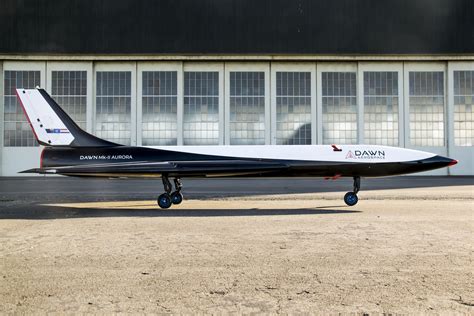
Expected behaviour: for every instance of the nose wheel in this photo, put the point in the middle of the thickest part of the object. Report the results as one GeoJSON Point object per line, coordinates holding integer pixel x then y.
{"type": "Point", "coordinates": [167, 199]}
{"type": "Point", "coordinates": [350, 198]}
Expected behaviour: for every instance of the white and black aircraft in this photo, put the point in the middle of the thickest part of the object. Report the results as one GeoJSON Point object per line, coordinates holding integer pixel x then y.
{"type": "Point", "coordinates": [70, 151]}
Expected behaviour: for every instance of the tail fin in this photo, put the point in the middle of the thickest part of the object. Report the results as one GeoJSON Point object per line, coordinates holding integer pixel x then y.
{"type": "Point", "coordinates": [51, 125]}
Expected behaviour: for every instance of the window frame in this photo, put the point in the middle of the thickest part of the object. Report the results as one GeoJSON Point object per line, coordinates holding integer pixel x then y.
{"type": "Point", "coordinates": [292, 67]}
{"type": "Point", "coordinates": [118, 67]}
{"type": "Point", "coordinates": [74, 66]}
{"type": "Point", "coordinates": [333, 67]}
{"type": "Point", "coordinates": [152, 67]}
{"type": "Point", "coordinates": [382, 67]}
{"type": "Point", "coordinates": [462, 153]}
{"type": "Point", "coordinates": [248, 67]}
{"type": "Point", "coordinates": [424, 67]}
{"type": "Point", "coordinates": [207, 67]}
{"type": "Point", "coordinates": [452, 67]}
{"type": "Point", "coordinates": [21, 66]}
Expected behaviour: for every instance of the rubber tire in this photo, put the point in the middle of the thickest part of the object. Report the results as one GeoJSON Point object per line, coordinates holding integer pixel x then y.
{"type": "Point", "coordinates": [350, 198]}
{"type": "Point", "coordinates": [164, 200]}
{"type": "Point", "coordinates": [176, 197]}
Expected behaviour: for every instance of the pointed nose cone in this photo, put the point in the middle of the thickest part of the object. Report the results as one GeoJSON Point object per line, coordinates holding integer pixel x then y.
{"type": "Point", "coordinates": [453, 162]}
{"type": "Point", "coordinates": [445, 161]}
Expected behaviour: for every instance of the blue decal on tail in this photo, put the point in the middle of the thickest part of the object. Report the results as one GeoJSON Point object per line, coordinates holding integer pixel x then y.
{"type": "Point", "coordinates": [57, 131]}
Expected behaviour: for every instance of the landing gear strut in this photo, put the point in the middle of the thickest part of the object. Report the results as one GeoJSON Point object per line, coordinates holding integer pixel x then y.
{"type": "Point", "coordinates": [351, 198]}
{"type": "Point", "coordinates": [166, 199]}
{"type": "Point", "coordinates": [177, 196]}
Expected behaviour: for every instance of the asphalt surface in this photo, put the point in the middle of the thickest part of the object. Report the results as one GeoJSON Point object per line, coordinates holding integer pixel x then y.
{"type": "Point", "coordinates": [63, 189]}
{"type": "Point", "coordinates": [27, 198]}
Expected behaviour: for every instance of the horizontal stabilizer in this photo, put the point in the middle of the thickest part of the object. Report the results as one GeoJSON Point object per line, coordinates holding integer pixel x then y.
{"type": "Point", "coordinates": [34, 170]}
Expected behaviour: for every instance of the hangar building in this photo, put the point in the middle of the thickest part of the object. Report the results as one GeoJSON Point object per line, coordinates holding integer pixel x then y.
{"type": "Point", "coordinates": [227, 72]}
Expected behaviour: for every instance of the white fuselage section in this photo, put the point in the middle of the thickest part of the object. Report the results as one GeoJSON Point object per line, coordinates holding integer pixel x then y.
{"type": "Point", "coordinates": [348, 153]}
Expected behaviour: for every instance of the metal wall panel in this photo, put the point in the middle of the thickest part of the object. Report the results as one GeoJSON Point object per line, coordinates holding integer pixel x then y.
{"type": "Point", "coordinates": [237, 26]}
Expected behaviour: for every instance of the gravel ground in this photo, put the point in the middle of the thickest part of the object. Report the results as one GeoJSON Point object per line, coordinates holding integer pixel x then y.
{"type": "Point", "coordinates": [397, 251]}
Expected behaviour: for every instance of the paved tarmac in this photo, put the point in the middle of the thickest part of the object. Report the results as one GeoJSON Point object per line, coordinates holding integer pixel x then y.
{"type": "Point", "coordinates": [273, 246]}
{"type": "Point", "coordinates": [81, 189]}
{"type": "Point", "coordinates": [17, 194]}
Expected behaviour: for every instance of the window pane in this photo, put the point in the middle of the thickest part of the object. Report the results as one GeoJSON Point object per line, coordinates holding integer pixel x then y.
{"type": "Point", "coordinates": [463, 108]}
{"type": "Point", "coordinates": [113, 106]}
{"type": "Point", "coordinates": [69, 89]}
{"type": "Point", "coordinates": [293, 108]}
{"type": "Point", "coordinates": [339, 98]}
{"type": "Point", "coordinates": [159, 108]}
{"type": "Point", "coordinates": [426, 100]}
{"type": "Point", "coordinates": [17, 130]}
{"type": "Point", "coordinates": [201, 108]}
{"type": "Point", "coordinates": [381, 108]}
{"type": "Point", "coordinates": [247, 108]}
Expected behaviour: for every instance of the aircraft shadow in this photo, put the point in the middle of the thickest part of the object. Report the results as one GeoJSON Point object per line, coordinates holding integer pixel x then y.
{"type": "Point", "coordinates": [71, 189]}
{"type": "Point", "coordinates": [42, 212]}
{"type": "Point", "coordinates": [21, 198]}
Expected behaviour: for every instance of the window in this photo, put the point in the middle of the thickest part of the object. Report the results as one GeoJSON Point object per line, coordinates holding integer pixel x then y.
{"type": "Point", "coordinates": [426, 100]}
{"type": "Point", "coordinates": [463, 108]}
{"type": "Point", "coordinates": [113, 106]}
{"type": "Point", "coordinates": [69, 89]}
{"type": "Point", "coordinates": [247, 108]}
{"type": "Point", "coordinates": [339, 97]}
{"type": "Point", "coordinates": [159, 108]}
{"type": "Point", "coordinates": [201, 108]}
{"type": "Point", "coordinates": [293, 107]}
{"type": "Point", "coordinates": [381, 108]}
{"type": "Point", "coordinates": [17, 130]}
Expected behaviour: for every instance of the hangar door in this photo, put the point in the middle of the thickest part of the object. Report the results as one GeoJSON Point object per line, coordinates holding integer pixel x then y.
{"type": "Point", "coordinates": [461, 116]}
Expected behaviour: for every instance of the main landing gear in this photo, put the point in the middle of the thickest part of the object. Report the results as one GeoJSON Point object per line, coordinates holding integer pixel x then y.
{"type": "Point", "coordinates": [351, 198]}
{"type": "Point", "coordinates": [167, 199]}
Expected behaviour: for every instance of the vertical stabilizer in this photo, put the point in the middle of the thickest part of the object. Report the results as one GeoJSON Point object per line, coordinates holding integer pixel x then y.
{"type": "Point", "coordinates": [51, 125]}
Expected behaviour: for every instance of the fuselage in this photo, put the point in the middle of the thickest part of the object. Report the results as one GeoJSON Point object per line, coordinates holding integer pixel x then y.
{"type": "Point", "coordinates": [226, 161]}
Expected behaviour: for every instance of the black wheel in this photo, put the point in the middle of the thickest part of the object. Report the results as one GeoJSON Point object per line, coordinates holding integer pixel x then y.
{"type": "Point", "coordinates": [164, 200]}
{"type": "Point", "coordinates": [351, 198]}
{"type": "Point", "coordinates": [176, 197]}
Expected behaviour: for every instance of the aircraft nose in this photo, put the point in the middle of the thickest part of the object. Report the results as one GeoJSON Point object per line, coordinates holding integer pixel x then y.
{"type": "Point", "coordinates": [446, 161]}
{"type": "Point", "coordinates": [452, 162]}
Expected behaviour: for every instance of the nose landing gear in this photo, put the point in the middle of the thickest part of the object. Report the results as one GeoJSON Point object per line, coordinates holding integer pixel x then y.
{"type": "Point", "coordinates": [350, 198]}
{"type": "Point", "coordinates": [167, 199]}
